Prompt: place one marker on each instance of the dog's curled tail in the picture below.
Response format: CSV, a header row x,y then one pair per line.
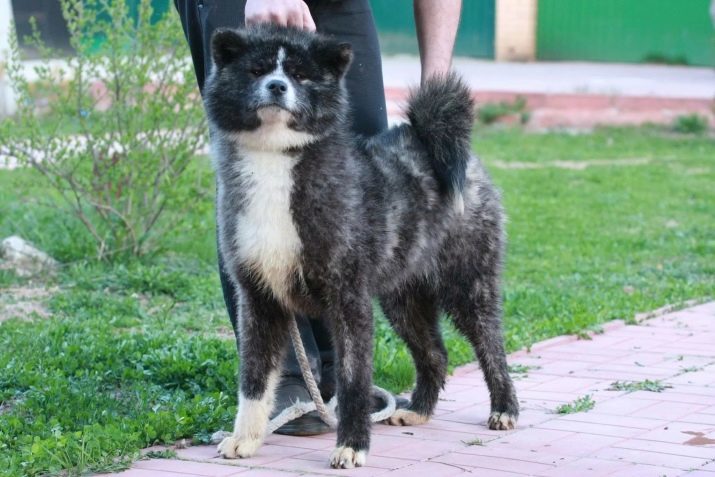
x,y
441,113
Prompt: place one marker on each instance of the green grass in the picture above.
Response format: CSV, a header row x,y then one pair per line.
x,y
582,404
654,386
140,352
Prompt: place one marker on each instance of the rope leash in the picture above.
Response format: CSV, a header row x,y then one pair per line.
x,y
327,412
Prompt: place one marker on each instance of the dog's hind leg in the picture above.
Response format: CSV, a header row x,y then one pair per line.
x,y
351,316
476,311
413,313
263,332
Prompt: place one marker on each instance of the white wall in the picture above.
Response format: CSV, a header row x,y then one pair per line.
x,y
515,30
7,102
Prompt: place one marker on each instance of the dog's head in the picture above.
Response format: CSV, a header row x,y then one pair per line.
x,y
267,75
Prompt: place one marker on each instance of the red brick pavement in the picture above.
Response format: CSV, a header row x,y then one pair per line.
x,y
627,434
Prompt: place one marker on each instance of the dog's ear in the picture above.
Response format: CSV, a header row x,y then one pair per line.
x,y
333,55
227,45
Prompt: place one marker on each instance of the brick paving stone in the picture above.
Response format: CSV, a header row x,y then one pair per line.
x,y
597,417
590,428
568,384
700,418
134,472
429,469
579,445
181,467
624,406
268,473
314,467
629,434
505,463
642,470
677,449
586,468
533,438
680,432
301,442
649,458
557,368
649,372
419,451
704,379
545,456
557,354
669,410
548,396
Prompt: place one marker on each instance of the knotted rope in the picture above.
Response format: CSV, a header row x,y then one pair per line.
x,y
326,411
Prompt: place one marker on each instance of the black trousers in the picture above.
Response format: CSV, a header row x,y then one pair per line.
x,y
346,20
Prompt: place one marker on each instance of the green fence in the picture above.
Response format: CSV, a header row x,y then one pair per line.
x,y
396,25
660,31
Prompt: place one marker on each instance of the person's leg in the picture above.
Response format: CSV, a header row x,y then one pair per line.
x,y
352,21
199,19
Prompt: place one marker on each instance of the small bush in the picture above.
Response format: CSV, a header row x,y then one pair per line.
x,y
490,113
690,124
114,130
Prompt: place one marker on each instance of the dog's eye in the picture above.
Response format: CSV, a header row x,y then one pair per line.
x,y
256,71
298,76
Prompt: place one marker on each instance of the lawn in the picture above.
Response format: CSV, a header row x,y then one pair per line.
x,y
601,226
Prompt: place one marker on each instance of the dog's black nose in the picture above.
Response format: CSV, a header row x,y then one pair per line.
x,y
277,87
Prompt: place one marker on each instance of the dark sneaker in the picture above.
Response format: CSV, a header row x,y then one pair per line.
x,y
289,391
378,403
292,389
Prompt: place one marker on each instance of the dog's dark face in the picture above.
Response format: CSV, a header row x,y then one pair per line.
x,y
267,75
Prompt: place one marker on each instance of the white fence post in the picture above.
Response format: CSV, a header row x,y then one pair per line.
x,y
7,99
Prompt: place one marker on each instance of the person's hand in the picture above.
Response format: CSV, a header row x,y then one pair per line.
x,y
294,13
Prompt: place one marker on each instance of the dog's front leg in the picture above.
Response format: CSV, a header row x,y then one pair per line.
x,y
263,331
352,334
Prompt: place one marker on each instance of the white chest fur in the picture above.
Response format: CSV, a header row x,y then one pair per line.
x,y
266,236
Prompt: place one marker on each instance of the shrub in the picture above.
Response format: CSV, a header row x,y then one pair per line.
x,y
490,113
690,124
113,131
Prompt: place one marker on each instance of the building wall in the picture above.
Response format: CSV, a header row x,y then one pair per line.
x,y
632,31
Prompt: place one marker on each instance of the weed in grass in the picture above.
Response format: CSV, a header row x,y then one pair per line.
x,y
690,369
521,368
587,334
690,124
653,386
161,454
474,442
582,404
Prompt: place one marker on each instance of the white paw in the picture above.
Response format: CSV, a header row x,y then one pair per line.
x,y
347,458
501,421
405,417
233,447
